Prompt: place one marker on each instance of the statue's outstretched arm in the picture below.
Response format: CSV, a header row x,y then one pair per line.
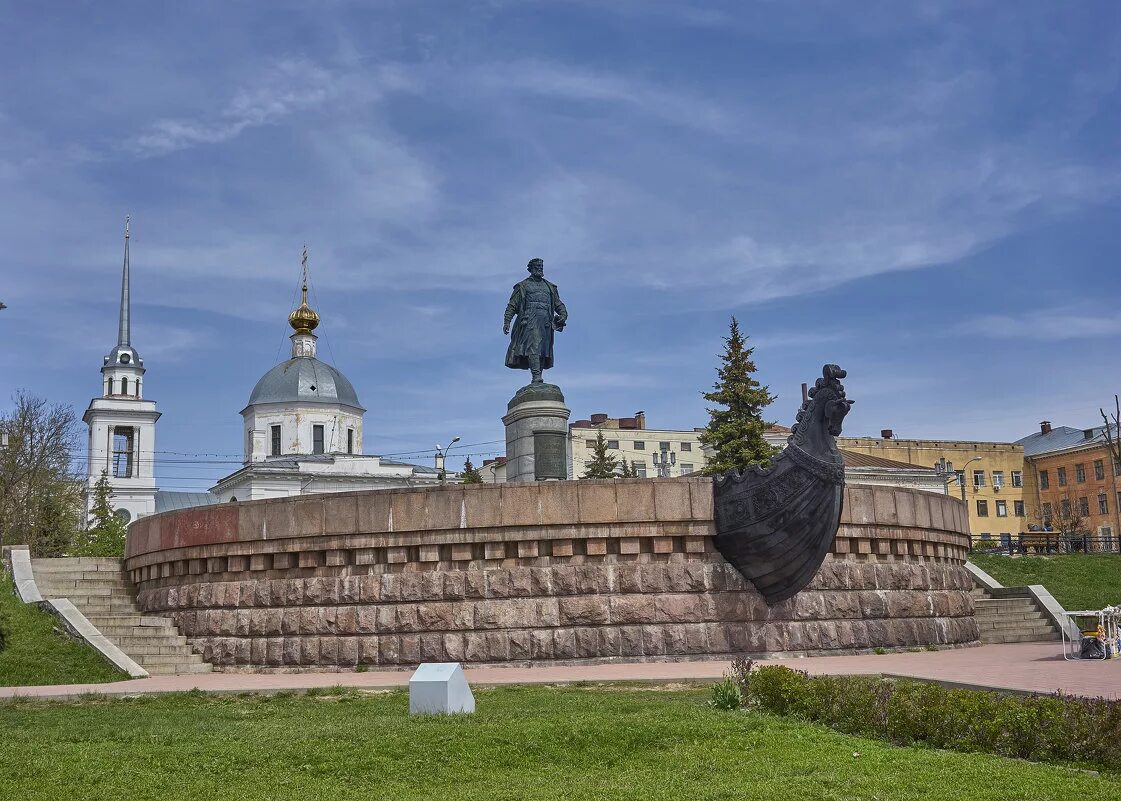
x,y
511,310
560,313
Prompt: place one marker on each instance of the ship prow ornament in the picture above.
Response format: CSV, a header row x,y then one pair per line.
x,y
775,524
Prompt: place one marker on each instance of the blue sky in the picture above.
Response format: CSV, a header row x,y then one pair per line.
x,y
925,193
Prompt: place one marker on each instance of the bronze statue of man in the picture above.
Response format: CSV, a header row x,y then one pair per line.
x,y
540,312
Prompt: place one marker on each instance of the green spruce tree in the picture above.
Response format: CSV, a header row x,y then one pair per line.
x,y
470,474
735,428
625,469
602,464
106,533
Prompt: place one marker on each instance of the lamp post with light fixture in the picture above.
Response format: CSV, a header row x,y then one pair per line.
x,y
440,453
946,471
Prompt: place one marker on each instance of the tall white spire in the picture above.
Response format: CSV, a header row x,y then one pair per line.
x,y
124,332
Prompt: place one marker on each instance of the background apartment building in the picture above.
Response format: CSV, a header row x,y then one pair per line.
x,y
988,476
1072,479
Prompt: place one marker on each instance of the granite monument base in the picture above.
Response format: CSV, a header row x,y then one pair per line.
x,y
537,434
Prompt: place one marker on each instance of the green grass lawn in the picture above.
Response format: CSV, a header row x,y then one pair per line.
x,y
523,743
34,653
1078,581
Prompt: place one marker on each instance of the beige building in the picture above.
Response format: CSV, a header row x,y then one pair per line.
x,y
651,452
988,476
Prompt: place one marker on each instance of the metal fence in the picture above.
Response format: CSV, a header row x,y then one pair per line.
x,y
1047,542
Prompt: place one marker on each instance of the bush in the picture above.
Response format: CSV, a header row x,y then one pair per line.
x,y
726,694
1039,728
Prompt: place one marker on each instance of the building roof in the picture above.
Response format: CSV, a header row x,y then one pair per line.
x,y
1061,438
854,459
168,501
304,379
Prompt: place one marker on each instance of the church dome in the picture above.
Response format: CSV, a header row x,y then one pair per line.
x,y
304,379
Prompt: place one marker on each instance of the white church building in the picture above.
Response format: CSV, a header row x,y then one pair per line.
x,y
122,424
303,430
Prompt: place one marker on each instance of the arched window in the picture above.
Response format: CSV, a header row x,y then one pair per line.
x,y
110,390
124,386
233,499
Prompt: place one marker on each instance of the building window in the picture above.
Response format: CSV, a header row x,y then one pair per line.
x,y
350,440
1018,508
639,445
590,443
110,390
1103,504
982,508
639,469
1062,474
985,535
998,479
275,441
1044,480
124,386
317,439
123,440
663,446
1017,478
1099,469
686,447
1064,507
978,478
613,443
686,468
1084,506
1046,515
1002,508
1080,473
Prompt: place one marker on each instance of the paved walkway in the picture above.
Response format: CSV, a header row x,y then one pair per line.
x,y
1025,667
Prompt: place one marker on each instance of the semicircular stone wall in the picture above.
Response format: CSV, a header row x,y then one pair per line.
x,y
568,571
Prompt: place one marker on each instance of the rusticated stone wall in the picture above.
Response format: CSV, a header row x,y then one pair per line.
x,y
589,570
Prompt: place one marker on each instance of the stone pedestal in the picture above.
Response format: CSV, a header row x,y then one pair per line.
x,y
537,434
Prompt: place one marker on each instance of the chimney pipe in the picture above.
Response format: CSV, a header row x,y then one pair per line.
x,y
886,433
640,419
1045,427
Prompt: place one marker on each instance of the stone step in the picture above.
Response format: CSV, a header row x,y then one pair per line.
x,y
127,640
106,607
100,619
1000,630
184,657
170,670
99,577
140,653
78,563
138,633
994,637
998,602
1020,616
1038,620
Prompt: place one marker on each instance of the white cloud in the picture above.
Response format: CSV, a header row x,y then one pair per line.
x,y
1045,326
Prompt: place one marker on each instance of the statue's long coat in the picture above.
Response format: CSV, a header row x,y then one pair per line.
x,y
532,331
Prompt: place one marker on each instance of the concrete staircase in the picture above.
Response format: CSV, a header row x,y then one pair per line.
x,y
1010,614
97,587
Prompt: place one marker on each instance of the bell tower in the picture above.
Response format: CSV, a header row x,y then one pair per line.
x,y
122,425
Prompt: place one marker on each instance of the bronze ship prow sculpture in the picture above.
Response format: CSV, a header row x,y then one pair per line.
x,y
776,524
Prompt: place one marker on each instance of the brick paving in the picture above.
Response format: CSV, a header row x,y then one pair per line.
x,y
1036,667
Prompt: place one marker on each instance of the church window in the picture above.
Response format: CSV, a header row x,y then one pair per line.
x,y
317,439
122,453
350,440
124,386
110,391
275,441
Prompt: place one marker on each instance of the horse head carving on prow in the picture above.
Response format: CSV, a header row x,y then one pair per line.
x,y
776,525
821,416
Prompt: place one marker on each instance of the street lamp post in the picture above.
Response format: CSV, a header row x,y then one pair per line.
x,y
946,470
440,453
668,460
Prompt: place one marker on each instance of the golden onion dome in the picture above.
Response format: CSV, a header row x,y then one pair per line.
x,y
304,319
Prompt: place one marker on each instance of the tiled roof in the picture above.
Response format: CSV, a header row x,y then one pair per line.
x,y
855,459
1061,438
168,501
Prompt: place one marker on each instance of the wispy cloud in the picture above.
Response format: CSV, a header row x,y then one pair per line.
x,y
1048,326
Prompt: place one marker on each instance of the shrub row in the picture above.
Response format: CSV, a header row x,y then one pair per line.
x,y
1039,728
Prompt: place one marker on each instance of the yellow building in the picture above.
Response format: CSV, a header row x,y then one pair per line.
x,y
988,476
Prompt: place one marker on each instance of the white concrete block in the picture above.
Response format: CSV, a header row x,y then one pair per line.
x,y
440,688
